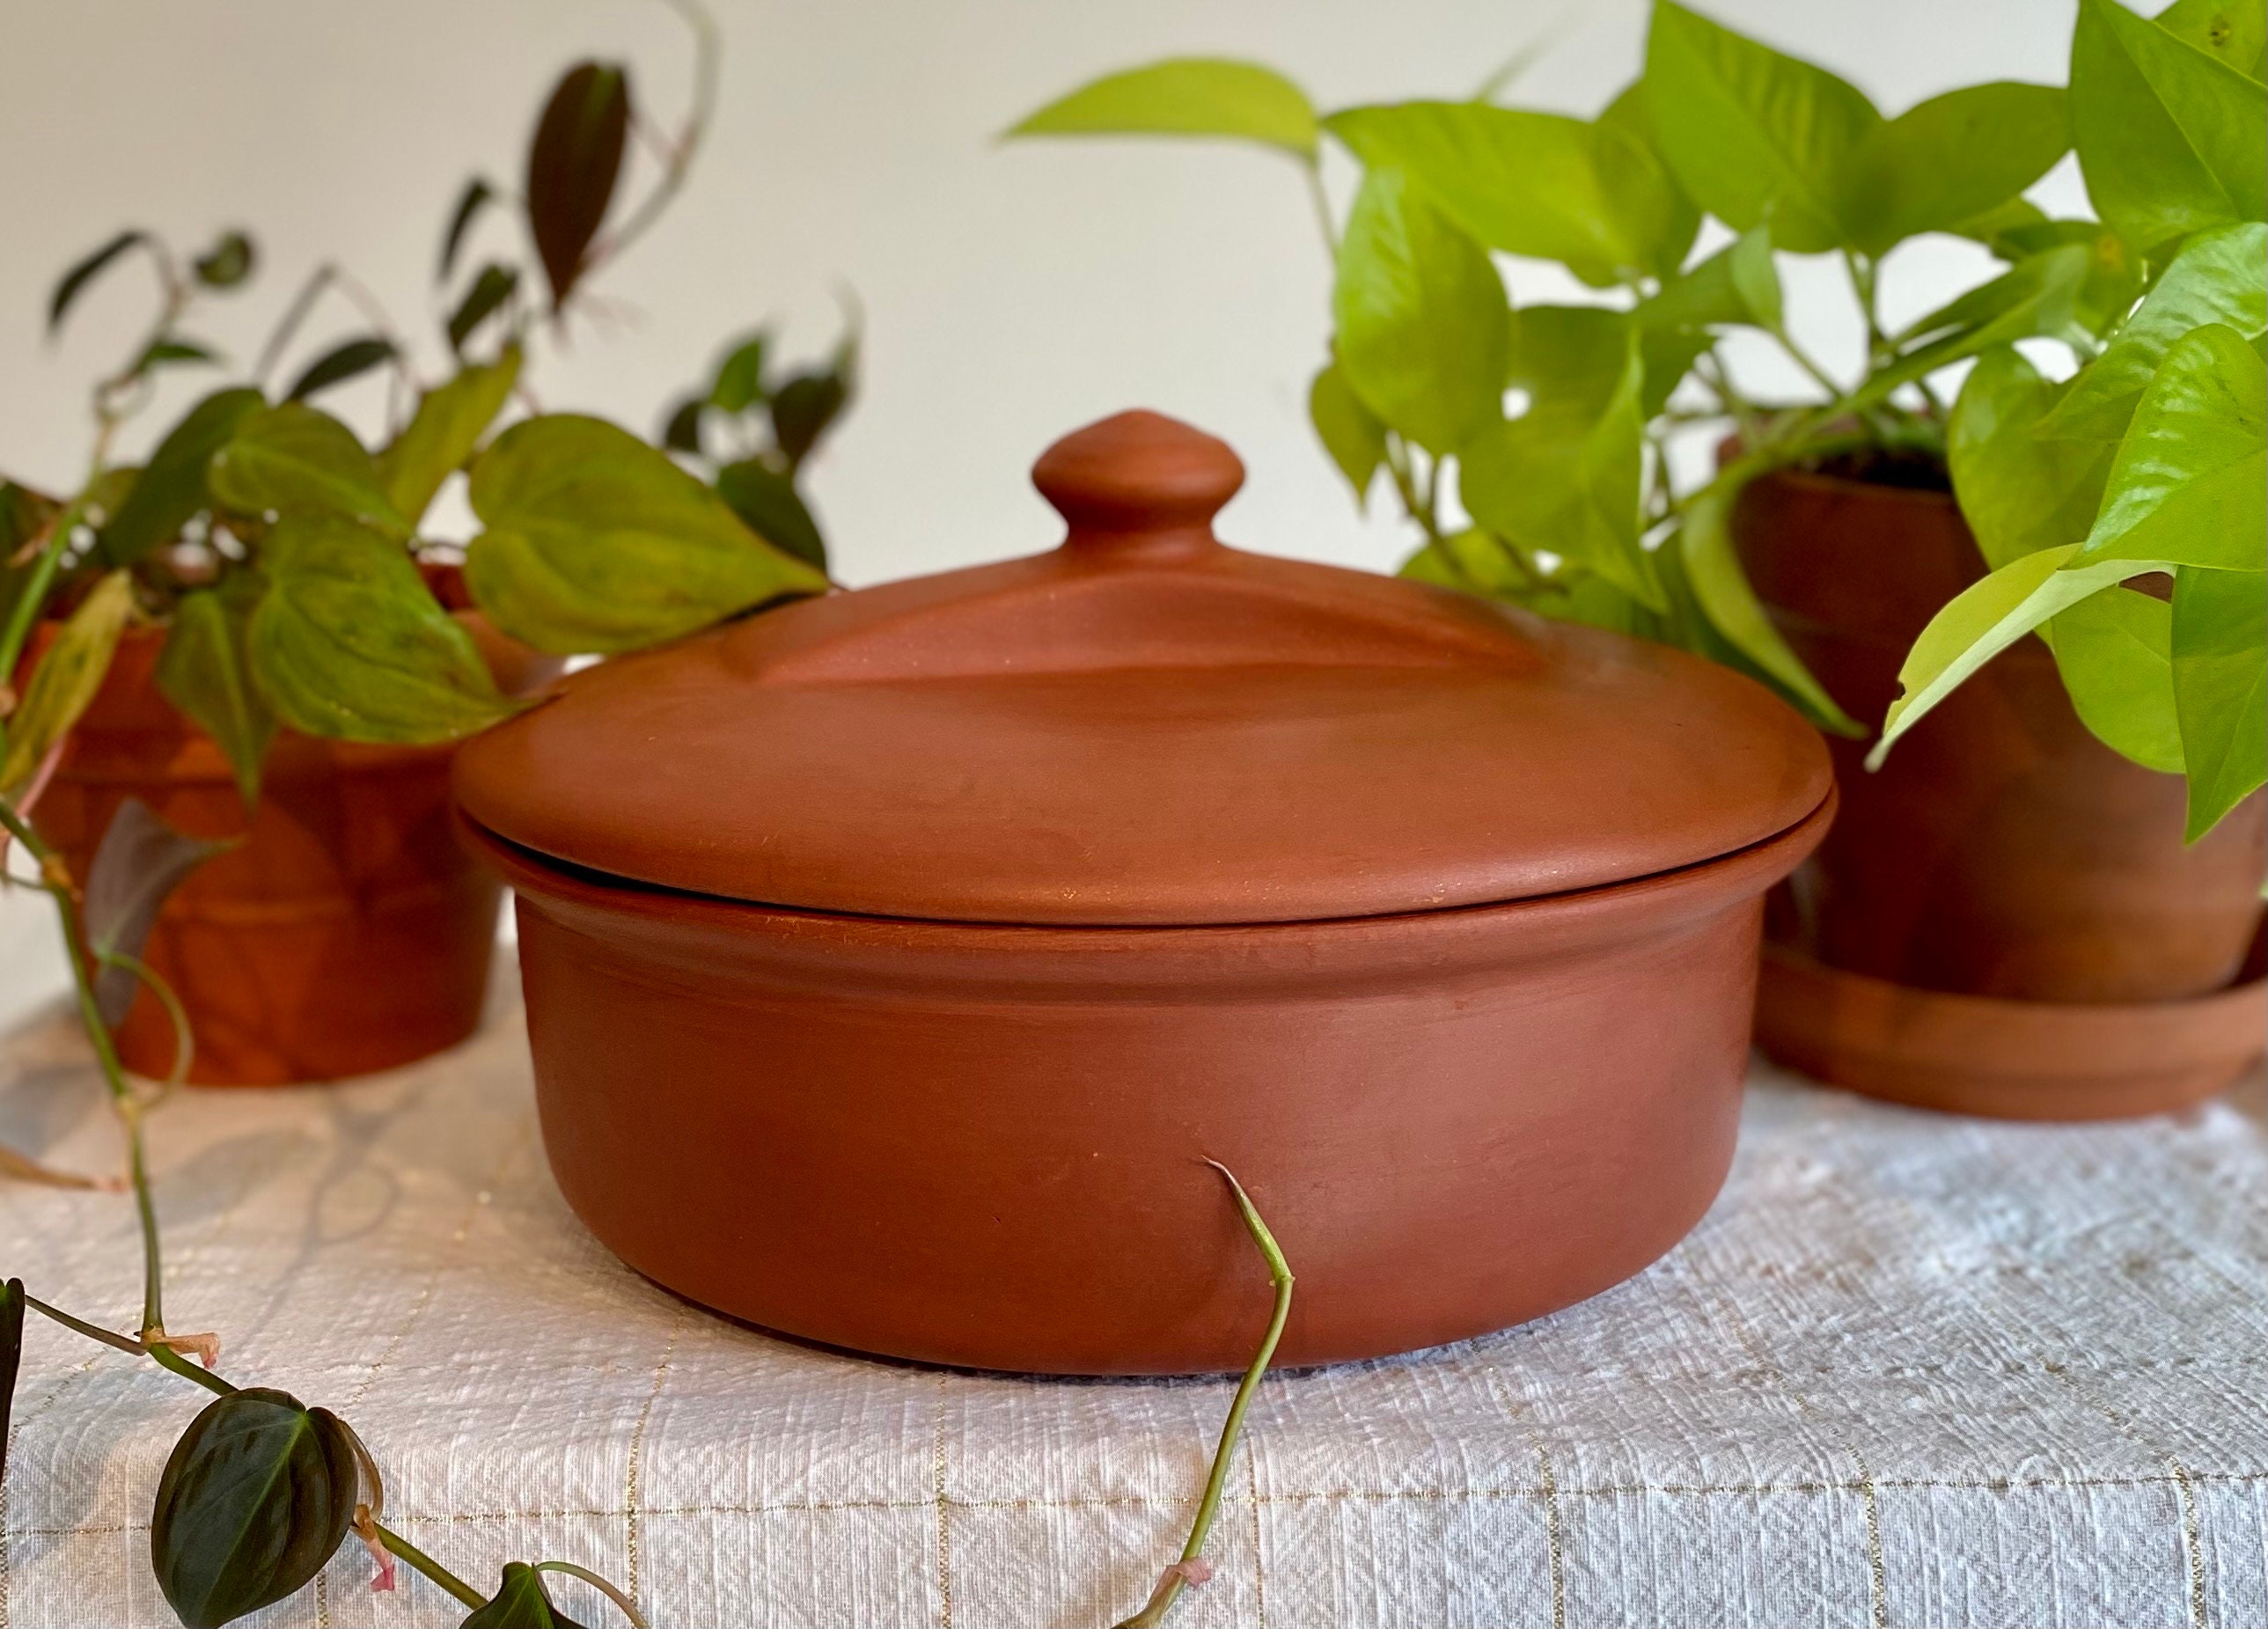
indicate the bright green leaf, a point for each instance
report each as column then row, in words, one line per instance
column 74, row 282
column 1350, row 432
column 1185, row 96
column 441, row 437
column 2189, row 484
column 2220, row 688
column 349, row 643
column 172, row 487
column 2114, row 650
column 1630, row 113
column 66, row 680
column 1592, row 197
column 2234, row 31
column 596, row 542
column 2114, row 273
column 739, row 383
column 1751, row 134
column 1570, row 357
column 2169, row 136
column 1424, row 328
column 205, row 670
column 294, row 460
column 2036, row 296
column 1737, row 285
column 766, row 499
column 2020, row 490
column 1951, row 160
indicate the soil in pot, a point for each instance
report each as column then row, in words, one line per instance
column 346, row 933
column 2002, row 851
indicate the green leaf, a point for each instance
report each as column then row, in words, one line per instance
column 66, row 680
column 25, row 515
column 476, row 195
column 1712, row 568
column 2220, row 688
column 172, row 487
column 11, row 1356
column 1592, row 197
column 205, row 670
column 2219, row 276
column 341, row 363
column 572, row 165
column 1185, row 96
column 348, row 642
column 1738, row 285
column 1668, row 356
column 1950, row 159
column 166, row 353
column 766, row 499
column 597, row 542
column 739, row 383
column 257, row 1495
column 294, row 460
column 489, row 291
column 2036, row 296
column 680, row 432
column 1629, row 112
column 441, row 435
column 803, row 409
column 2020, row 490
column 1751, row 134
column 2114, row 651
column 1473, row 561
column 74, row 282
column 519, row 1603
column 2114, row 275
column 1424, row 330
column 2168, row 135
column 2234, row 31
column 2189, row 484
column 1350, row 432
column 227, row 263
column 139, row 862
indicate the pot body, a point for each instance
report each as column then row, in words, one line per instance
column 983, row 1146
column 2001, row 850
column 346, row 933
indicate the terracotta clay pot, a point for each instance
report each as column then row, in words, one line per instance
column 894, row 959
column 348, row 933
column 2002, row 851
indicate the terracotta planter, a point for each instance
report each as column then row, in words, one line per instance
column 894, row 959
column 350, row 932
column 2002, row 851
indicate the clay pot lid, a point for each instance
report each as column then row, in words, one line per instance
column 1145, row 726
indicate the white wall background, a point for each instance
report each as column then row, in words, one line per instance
column 1011, row 293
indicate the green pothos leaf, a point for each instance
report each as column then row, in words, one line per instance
column 67, row 678
column 2019, row 490
column 257, row 1496
column 2115, row 652
column 205, row 670
column 2220, row 688
column 1185, row 96
column 1350, row 431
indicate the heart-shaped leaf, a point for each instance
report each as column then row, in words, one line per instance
column 172, row 487
column 67, row 678
column 139, row 863
column 1950, row 159
column 74, row 281
column 257, row 1495
column 572, row 165
column 1186, row 96
column 598, row 542
column 349, row 643
column 295, row 460
column 2115, row 650
column 442, row 434
column 205, row 670
column 1350, row 431
column 767, row 499
column 2234, row 31
column 2220, row 688
column 519, row 1603
column 2020, row 490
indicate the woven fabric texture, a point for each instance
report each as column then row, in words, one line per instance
column 1910, row 1370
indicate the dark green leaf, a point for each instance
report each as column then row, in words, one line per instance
column 519, row 1603
column 804, row 407
column 2220, row 688
column 476, row 195
column 767, row 499
column 66, row 680
column 572, row 165
column 349, row 643
column 2234, row 31
column 1950, row 159
column 228, row 262
column 2189, row 484
column 295, row 460
column 1185, row 96
column 2020, row 490
column 740, row 376
column 491, row 289
column 172, row 487
column 25, row 515
column 2168, row 135
column 1751, row 134
column 138, row 863
column 257, row 1495
column 84, row 272
column 163, row 352
column 205, row 670
column 1350, row 431
column 598, row 542
column 341, row 363
column 682, row 433
column 441, row 435
column 1593, row 196
column 2114, row 650
column 1423, row 331
column 2219, row 276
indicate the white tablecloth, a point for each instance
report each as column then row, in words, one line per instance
column 1910, row 1370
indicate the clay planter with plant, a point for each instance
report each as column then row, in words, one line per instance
column 257, row 638
column 2023, row 912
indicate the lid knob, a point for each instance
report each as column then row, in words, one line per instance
column 1138, row 480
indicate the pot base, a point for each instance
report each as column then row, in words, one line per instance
column 2006, row 1061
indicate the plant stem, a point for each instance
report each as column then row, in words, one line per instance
column 1321, row 200
column 80, row 1326
column 32, row 598
column 1802, row 359
column 419, row 1561
column 1169, row 1588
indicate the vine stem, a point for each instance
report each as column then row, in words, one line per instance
column 698, row 120
column 419, row 1561
column 1178, row 1577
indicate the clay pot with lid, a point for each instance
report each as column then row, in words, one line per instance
column 893, row 961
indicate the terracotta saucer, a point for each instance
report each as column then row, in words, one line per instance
column 2011, row 1060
